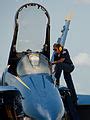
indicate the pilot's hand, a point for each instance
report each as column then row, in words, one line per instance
column 54, row 62
column 61, row 60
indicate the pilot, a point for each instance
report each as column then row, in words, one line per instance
column 63, row 63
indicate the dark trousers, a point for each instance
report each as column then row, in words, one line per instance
column 67, row 69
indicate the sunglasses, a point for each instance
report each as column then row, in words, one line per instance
column 55, row 49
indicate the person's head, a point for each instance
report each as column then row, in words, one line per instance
column 57, row 48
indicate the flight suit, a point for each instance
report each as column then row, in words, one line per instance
column 67, row 67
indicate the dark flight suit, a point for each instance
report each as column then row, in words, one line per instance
column 67, row 67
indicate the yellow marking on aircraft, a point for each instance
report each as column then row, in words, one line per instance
column 22, row 82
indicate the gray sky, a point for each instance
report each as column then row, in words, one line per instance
column 78, row 39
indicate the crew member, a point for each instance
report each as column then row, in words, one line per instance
column 63, row 63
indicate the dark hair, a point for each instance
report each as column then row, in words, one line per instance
column 57, row 45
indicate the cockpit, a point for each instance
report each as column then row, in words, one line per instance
column 33, row 63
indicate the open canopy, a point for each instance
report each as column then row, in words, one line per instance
column 32, row 30
column 32, row 22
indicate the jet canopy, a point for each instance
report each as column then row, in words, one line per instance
column 32, row 24
column 32, row 32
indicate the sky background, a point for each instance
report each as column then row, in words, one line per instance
column 78, row 39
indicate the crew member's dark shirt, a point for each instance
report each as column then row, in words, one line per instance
column 64, row 54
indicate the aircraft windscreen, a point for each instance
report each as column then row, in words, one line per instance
column 32, row 23
column 33, row 63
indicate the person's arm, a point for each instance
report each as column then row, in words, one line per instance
column 58, row 61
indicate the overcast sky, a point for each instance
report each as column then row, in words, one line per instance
column 78, row 39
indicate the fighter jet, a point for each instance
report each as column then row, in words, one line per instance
column 28, row 90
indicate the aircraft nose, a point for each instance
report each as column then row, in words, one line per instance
column 44, row 101
column 51, row 110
